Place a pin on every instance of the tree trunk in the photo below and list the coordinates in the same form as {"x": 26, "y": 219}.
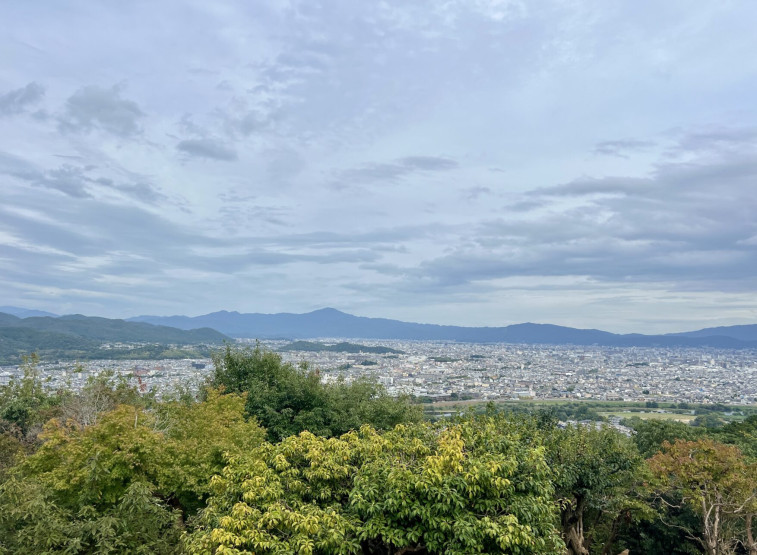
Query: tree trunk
{"x": 573, "y": 529}
{"x": 613, "y": 534}
{"x": 751, "y": 541}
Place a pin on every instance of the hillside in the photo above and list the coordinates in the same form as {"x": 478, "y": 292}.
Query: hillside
{"x": 82, "y": 337}
{"x": 338, "y": 348}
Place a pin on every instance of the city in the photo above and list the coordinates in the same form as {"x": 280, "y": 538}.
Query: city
{"x": 440, "y": 371}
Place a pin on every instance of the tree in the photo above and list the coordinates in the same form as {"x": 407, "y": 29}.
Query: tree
{"x": 101, "y": 393}
{"x": 89, "y": 490}
{"x": 33, "y": 521}
{"x": 750, "y": 512}
{"x": 25, "y": 403}
{"x": 651, "y": 434}
{"x": 712, "y": 479}
{"x": 195, "y": 439}
{"x": 596, "y": 474}
{"x": 459, "y": 489}
{"x": 743, "y": 434}
{"x": 125, "y": 483}
{"x": 287, "y": 400}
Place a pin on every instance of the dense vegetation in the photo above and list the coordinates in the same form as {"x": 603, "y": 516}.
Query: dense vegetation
{"x": 268, "y": 459}
{"x": 83, "y": 337}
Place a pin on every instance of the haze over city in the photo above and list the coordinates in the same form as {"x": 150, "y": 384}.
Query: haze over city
{"x": 588, "y": 164}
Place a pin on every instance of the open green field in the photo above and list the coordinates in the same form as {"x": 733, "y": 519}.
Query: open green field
{"x": 649, "y": 415}
{"x": 594, "y": 409}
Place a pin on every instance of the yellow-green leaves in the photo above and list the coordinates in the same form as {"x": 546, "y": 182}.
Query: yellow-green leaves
{"x": 448, "y": 490}
{"x": 125, "y": 482}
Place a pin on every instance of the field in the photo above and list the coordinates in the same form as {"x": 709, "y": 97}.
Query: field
{"x": 594, "y": 410}
{"x": 653, "y": 415}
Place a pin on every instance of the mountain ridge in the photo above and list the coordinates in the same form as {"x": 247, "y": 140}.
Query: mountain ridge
{"x": 79, "y": 336}
{"x": 330, "y": 322}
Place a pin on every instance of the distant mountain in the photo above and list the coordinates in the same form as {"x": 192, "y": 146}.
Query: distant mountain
{"x": 742, "y": 333}
{"x": 329, "y": 322}
{"x": 77, "y": 336}
{"x": 106, "y": 329}
{"x": 25, "y": 312}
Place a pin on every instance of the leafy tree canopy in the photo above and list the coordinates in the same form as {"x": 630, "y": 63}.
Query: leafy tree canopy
{"x": 458, "y": 489}
{"x": 287, "y": 400}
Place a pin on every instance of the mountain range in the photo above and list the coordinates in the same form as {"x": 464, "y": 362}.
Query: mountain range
{"x": 77, "y": 336}
{"x": 25, "y": 312}
{"x": 329, "y": 322}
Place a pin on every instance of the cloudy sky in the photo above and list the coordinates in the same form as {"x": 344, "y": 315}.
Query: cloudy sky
{"x": 476, "y": 162}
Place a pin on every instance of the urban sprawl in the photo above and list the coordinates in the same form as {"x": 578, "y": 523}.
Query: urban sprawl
{"x": 451, "y": 371}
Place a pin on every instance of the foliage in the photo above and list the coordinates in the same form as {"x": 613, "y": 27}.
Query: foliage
{"x": 287, "y": 400}
{"x": 460, "y": 489}
{"x": 651, "y": 434}
{"x": 96, "y": 483}
{"x": 713, "y": 480}
{"x": 101, "y": 393}
{"x": 743, "y": 434}
{"x": 597, "y": 474}
{"x": 31, "y": 521}
{"x": 81, "y": 338}
{"x": 24, "y": 403}
{"x": 708, "y": 421}
{"x": 195, "y": 439}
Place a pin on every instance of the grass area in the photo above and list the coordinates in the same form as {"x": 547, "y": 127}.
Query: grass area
{"x": 590, "y": 409}
{"x": 649, "y": 415}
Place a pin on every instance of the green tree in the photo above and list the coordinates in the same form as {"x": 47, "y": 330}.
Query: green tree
{"x": 33, "y": 521}
{"x": 461, "y": 488}
{"x": 743, "y": 434}
{"x": 597, "y": 471}
{"x": 651, "y": 434}
{"x": 125, "y": 483}
{"x": 714, "y": 481}
{"x": 287, "y": 400}
{"x": 195, "y": 438}
{"x": 25, "y": 402}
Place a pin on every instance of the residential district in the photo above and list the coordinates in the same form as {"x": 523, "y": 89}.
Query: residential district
{"x": 451, "y": 371}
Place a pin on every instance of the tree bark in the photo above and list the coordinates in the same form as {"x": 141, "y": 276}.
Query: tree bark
{"x": 573, "y": 529}
{"x": 613, "y": 534}
{"x": 750, "y": 539}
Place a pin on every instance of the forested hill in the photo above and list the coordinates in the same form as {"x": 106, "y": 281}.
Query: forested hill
{"x": 79, "y": 336}
{"x": 338, "y": 348}
{"x": 329, "y": 322}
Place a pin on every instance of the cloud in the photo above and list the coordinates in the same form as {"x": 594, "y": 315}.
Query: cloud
{"x": 596, "y": 186}
{"x": 207, "y": 148}
{"x": 67, "y": 179}
{"x": 18, "y": 100}
{"x": 472, "y": 193}
{"x": 622, "y": 148}
{"x": 416, "y": 148}
{"x": 395, "y": 170}
{"x": 715, "y": 140}
{"x": 94, "y": 107}
{"x": 427, "y": 163}
{"x": 689, "y": 225}
{"x": 76, "y": 181}
{"x": 142, "y": 191}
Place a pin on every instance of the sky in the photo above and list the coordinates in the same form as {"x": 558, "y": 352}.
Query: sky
{"x": 471, "y": 162}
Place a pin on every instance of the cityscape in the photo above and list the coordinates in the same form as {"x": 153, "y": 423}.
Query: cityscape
{"x": 445, "y": 371}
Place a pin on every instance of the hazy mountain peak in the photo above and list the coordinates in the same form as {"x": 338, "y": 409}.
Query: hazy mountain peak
{"x": 25, "y": 312}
